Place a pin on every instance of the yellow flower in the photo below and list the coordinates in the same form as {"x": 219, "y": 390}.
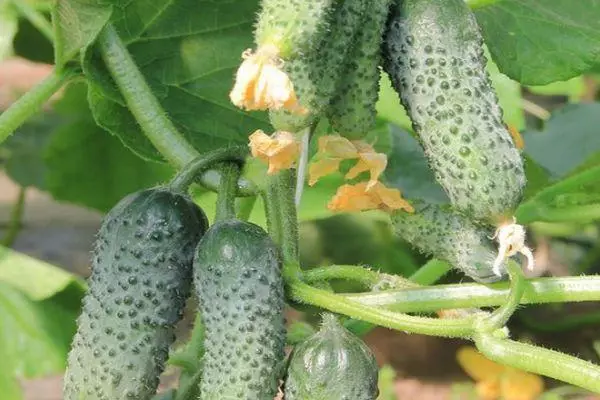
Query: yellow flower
{"x": 496, "y": 381}
{"x": 334, "y": 149}
{"x": 516, "y": 136}
{"x": 279, "y": 151}
{"x": 360, "y": 197}
{"x": 260, "y": 84}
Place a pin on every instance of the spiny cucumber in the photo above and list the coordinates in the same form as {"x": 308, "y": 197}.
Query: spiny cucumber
{"x": 237, "y": 274}
{"x": 332, "y": 364}
{"x": 352, "y": 112}
{"x": 444, "y": 233}
{"x": 141, "y": 273}
{"x": 433, "y": 53}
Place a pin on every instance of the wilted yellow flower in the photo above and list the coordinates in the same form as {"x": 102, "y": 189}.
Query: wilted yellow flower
{"x": 261, "y": 84}
{"x": 516, "y": 136}
{"x": 360, "y": 197}
{"x": 333, "y": 149}
{"x": 279, "y": 151}
{"x": 496, "y": 381}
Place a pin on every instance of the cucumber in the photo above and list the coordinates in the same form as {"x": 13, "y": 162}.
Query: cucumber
{"x": 237, "y": 275}
{"x": 433, "y": 53}
{"x": 444, "y": 233}
{"x": 332, "y": 364}
{"x": 352, "y": 113}
{"x": 141, "y": 273}
{"x": 318, "y": 73}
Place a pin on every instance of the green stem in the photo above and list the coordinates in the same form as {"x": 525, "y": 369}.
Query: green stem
{"x": 32, "y": 101}
{"x": 430, "y": 299}
{"x": 35, "y": 17}
{"x": 304, "y": 293}
{"x": 148, "y": 111}
{"x": 369, "y": 278}
{"x": 186, "y": 176}
{"x": 188, "y": 390}
{"x": 16, "y": 217}
{"x": 474, "y": 4}
{"x": 431, "y": 272}
{"x": 272, "y": 213}
{"x": 244, "y": 207}
{"x": 281, "y": 214}
{"x": 502, "y": 314}
{"x": 226, "y": 194}
{"x": 540, "y": 361}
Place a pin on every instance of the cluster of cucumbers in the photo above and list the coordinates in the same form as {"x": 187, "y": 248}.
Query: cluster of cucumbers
{"x": 156, "y": 244}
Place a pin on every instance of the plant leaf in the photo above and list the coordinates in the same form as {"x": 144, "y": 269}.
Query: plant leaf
{"x": 188, "y": 50}
{"x": 537, "y": 42}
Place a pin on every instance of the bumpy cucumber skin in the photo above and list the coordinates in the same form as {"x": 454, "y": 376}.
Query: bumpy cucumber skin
{"x": 294, "y": 26}
{"x": 141, "y": 274}
{"x": 443, "y": 233}
{"x": 352, "y": 113}
{"x": 237, "y": 275}
{"x": 316, "y": 75}
{"x": 434, "y": 56}
{"x": 332, "y": 364}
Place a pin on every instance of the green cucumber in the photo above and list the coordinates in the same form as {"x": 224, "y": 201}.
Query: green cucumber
{"x": 352, "y": 113}
{"x": 332, "y": 364}
{"x": 141, "y": 274}
{"x": 433, "y": 53}
{"x": 317, "y": 74}
{"x": 237, "y": 275}
{"x": 446, "y": 234}
{"x": 294, "y": 27}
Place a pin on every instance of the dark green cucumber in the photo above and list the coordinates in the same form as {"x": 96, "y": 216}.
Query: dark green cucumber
{"x": 332, "y": 364}
{"x": 352, "y": 113}
{"x": 237, "y": 274}
{"x": 141, "y": 274}
{"x": 433, "y": 53}
{"x": 444, "y": 233}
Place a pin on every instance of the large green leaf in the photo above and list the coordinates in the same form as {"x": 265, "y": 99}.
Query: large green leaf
{"x": 540, "y": 41}
{"x": 77, "y": 23}
{"x": 39, "y": 304}
{"x": 87, "y": 165}
{"x": 188, "y": 51}
{"x": 569, "y": 140}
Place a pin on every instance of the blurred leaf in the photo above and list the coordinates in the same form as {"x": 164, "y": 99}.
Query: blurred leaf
{"x": 31, "y": 44}
{"x": 34, "y": 278}
{"x": 387, "y": 380}
{"x": 298, "y": 332}
{"x": 8, "y": 28}
{"x": 569, "y": 140}
{"x": 188, "y": 51}
{"x": 408, "y": 170}
{"x": 77, "y": 23}
{"x": 573, "y": 88}
{"x": 509, "y": 95}
{"x": 389, "y": 107}
{"x": 88, "y": 166}
{"x": 572, "y": 199}
{"x": 528, "y": 38}
{"x": 25, "y": 163}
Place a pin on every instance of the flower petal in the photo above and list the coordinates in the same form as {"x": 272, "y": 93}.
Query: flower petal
{"x": 520, "y": 385}
{"x": 321, "y": 168}
{"x": 337, "y": 146}
{"x": 488, "y": 390}
{"x": 390, "y": 199}
{"x": 352, "y": 198}
{"x": 373, "y": 162}
{"x": 280, "y": 150}
{"x": 477, "y": 366}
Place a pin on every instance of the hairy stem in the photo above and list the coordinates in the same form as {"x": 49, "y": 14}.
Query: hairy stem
{"x": 431, "y": 272}
{"x": 226, "y": 195}
{"x": 369, "y": 278}
{"x": 244, "y": 207}
{"x": 429, "y": 299}
{"x": 304, "y": 293}
{"x": 35, "y": 17}
{"x": 148, "y": 112}
{"x": 281, "y": 214}
{"x": 16, "y": 219}
{"x": 32, "y": 101}
{"x": 540, "y": 361}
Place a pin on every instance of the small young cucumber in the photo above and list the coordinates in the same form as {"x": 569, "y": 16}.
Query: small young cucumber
{"x": 237, "y": 275}
{"x": 352, "y": 112}
{"x": 295, "y": 27}
{"x": 443, "y": 233}
{"x": 332, "y": 364}
{"x": 141, "y": 273}
{"x": 433, "y": 53}
{"x": 317, "y": 74}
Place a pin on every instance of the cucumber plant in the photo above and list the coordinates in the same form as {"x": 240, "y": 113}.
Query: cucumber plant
{"x": 157, "y": 78}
